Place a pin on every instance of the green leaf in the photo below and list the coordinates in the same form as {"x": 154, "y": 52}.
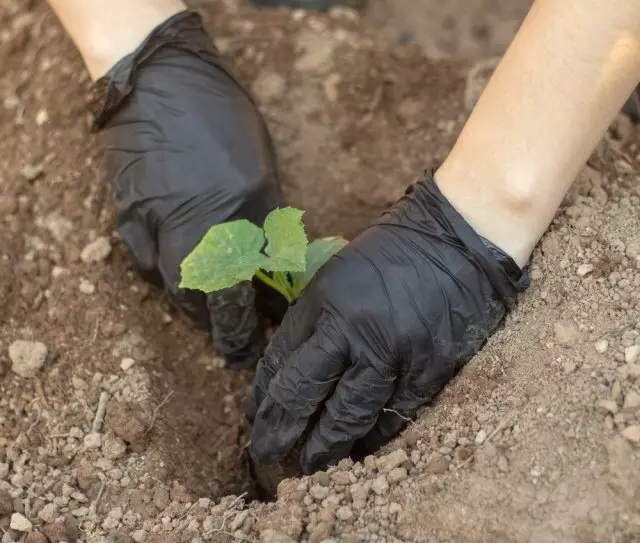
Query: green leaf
{"x": 228, "y": 254}
{"x": 318, "y": 252}
{"x": 287, "y": 241}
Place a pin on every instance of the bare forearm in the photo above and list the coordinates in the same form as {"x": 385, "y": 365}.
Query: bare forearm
{"x": 104, "y": 32}
{"x": 563, "y": 79}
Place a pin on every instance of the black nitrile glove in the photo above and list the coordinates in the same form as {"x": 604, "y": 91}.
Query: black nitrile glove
{"x": 378, "y": 332}
{"x": 187, "y": 149}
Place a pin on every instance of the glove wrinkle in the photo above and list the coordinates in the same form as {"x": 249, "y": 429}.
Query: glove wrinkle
{"x": 412, "y": 299}
{"x": 187, "y": 149}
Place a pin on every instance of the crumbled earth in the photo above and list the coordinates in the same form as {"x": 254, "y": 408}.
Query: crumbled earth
{"x": 125, "y": 425}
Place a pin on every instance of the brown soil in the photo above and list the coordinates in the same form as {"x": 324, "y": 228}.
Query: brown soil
{"x": 516, "y": 449}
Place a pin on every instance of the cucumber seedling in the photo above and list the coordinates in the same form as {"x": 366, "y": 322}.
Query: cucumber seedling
{"x": 278, "y": 254}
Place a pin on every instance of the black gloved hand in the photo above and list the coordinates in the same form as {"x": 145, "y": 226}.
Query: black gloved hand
{"x": 385, "y": 324}
{"x": 187, "y": 149}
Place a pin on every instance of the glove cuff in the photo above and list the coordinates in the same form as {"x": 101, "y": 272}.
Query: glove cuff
{"x": 445, "y": 223}
{"x": 184, "y": 31}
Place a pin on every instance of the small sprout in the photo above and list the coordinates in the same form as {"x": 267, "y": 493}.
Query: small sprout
{"x": 279, "y": 255}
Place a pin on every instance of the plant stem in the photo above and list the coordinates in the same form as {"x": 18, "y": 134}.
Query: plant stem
{"x": 274, "y": 285}
{"x": 283, "y": 280}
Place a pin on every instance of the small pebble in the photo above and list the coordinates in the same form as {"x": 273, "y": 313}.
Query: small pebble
{"x": 632, "y": 434}
{"x": 49, "y": 513}
{"x": 344, "y": 513}
{"x": 602, "y": 346}
{"x": 27, "y": 357}
{"x": 391, "y": 461}
{"x": 319, "y": 492}
{"x": 380, "y": 485}
{"x": 20, "y": 523}
{"x": 127, "y": 363}
{"x": 358, "y": 495}
{"x": 632, "y": 354}
{"x": 92, "y": 440}
{"x": 42, "y": 117}
{"x": 32, "y": 172}
{"x": 631, "y": 402}
{"x": 607, "y": 406}
{"x": 397, "y": 475}
{"x": 585, "y": 269}
{"x": 86, "y": 287}
{"x": 437, "y": 464}
{"x": 481, "y": 437}
{"x": 96, "y": 251}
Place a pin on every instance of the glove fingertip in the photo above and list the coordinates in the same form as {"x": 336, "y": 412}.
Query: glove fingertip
{"x": 235, "y": 327}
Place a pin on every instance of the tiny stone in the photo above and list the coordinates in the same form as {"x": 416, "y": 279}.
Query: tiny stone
{"x": 380, "y": 485}
{"x": 20, "y": 523}
{"x": 6, "y": 503}
{"x": 49, "y": 513}
{"x": 344, "y": 513}
{"x": 631, "y": 354}
{"x": 319, "y": 492}
{"x": 42, "y": 117}
{"x": 31, "y": 172}
{"x": 96, "y": 251}
{"x": 340, "y": 478}
{"x": 391, "y": 461}
{"x": 322, "y": 478}
{"x": 632, "y": 434}
{"x": 115, "y": 474}
{"x": 86, "y": 287}
{"x": 92, "y": 440}
{"x": 450, "y": 440}
{"x": 166, "y": 318}
{"x": 370, "y": 462}
{"x": 397, "y": 475}
{"x": 503, "y": 463}
{"x": 631, "y": 402}
{"x": 80, "y": 512}
{"x": 602, "y": 346}
{"x": 358, "y": 495}
{"x": 126, "y": 364}
{"x": 437, "y": 464}
{"x": 607, "y": 406}
{"x": 395, "y": 508}
{"x": 27, "y": 357}
{"x": 4, "y": 470}
{"x": 113, "y": 447}
{"x": 481, "y": 437}
{"x": 585, "y": 269}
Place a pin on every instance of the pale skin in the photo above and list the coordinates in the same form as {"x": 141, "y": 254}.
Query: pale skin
{"x": 562, "y": 81}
